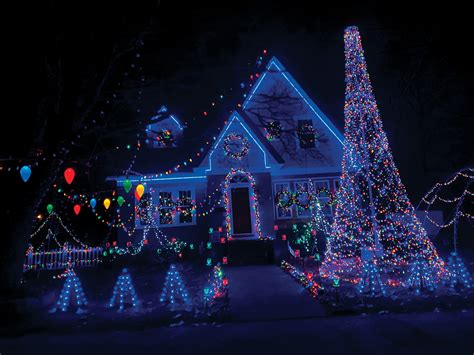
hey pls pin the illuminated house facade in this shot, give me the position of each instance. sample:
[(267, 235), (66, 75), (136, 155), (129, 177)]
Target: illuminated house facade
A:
[(269, 149)]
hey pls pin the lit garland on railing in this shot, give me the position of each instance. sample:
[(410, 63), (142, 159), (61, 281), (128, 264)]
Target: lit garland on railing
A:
[(61, 258), (373, 210)]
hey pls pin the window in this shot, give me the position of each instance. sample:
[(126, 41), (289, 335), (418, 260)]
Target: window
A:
[(300, 189), (282, 191), (170, 207), (145, 210), (185, 207), (273, 130), (165, 208), (306, 134), (302, 196), (322, 186)]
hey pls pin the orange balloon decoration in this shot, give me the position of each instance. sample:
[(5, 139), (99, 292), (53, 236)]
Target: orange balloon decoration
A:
[(77, 209), (107, 203), (139, 191), (69, 175)]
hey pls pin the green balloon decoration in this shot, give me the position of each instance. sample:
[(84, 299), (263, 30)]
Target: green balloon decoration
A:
[(49, 208), (120, 201), (127, 185)]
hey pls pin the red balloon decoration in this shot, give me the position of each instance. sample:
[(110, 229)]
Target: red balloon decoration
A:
[(69, 175), (77, 209)]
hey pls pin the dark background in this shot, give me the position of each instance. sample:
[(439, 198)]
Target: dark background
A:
[(65, 62)]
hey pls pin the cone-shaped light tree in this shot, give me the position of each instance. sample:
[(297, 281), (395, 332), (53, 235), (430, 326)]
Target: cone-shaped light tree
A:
[(373, 211)]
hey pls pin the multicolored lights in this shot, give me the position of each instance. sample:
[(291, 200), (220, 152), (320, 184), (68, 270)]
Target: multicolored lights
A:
[(373, 210)]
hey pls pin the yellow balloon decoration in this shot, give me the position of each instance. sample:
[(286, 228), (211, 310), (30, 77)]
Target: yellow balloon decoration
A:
[(107, 203), (140, 190)]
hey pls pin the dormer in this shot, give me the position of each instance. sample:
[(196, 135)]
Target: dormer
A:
[(164, 130)]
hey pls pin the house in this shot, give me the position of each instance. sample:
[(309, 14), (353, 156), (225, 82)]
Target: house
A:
[(268, 150)]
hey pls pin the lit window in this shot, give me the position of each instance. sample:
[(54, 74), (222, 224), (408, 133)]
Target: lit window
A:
[(306, 134), (185, 207), (283, 205)]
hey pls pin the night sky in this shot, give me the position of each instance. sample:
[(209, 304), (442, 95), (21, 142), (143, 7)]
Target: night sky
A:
[(419, 62)]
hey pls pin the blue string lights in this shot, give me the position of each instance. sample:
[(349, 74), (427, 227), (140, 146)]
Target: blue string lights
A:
[(457, 275), (174, 292), (71, 293), (421, 276), (124, 292), (370, 282)]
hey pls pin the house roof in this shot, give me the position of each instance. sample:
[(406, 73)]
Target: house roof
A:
[(274, 66), (154, 161)]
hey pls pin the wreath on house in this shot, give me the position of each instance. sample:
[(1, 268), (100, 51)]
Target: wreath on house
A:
[(284, 199), (303, 199), (236, 146)]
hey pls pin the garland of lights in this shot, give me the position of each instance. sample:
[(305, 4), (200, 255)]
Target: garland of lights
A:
[(68, 231), (304, 278), (236, 146), (285, 199), (373, 209), (253, 198), (433, 195)]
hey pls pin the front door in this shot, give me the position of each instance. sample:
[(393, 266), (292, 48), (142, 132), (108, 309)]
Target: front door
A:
[(241, 215)]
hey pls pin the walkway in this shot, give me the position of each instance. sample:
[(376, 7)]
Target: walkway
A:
[(267, 293)]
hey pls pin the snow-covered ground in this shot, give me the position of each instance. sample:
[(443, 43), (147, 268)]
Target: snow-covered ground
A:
[(269, 313), (428, 333)]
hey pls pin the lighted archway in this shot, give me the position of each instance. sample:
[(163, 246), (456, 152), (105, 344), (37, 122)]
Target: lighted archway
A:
[(235, 176)]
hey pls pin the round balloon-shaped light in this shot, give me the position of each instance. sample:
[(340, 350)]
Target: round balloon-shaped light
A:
[(93, 202), (49, 208), (69, 175), (25, 173), (77, 209), (107, 203), (127, 185), (140, 190), (120, 201)]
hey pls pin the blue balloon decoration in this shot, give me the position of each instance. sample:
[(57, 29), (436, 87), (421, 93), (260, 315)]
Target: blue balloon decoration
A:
[(93, 202), (25, 173)]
